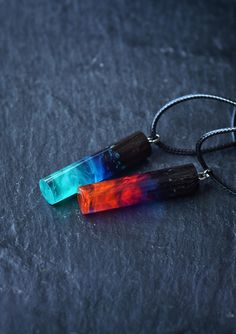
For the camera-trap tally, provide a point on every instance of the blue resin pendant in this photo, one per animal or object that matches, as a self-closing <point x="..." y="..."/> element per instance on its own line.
<point x="101" y="166"/>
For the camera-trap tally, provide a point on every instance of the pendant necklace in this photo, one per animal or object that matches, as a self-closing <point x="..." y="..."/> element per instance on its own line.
<point x="155" y="185"/>
<point x="117" y="158"/>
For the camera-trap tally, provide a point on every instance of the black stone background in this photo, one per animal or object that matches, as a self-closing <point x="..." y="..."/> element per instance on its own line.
<point x="76" y="76"/>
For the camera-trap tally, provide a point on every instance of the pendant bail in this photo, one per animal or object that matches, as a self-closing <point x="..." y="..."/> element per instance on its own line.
<point x="204" y="175"/>
<point x="154" y="140"/>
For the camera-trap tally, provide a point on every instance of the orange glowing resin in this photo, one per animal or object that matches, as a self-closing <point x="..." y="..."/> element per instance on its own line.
<point x="131" y="190"/>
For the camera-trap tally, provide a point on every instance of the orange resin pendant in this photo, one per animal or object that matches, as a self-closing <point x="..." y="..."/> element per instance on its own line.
<point x="135" y="189"/>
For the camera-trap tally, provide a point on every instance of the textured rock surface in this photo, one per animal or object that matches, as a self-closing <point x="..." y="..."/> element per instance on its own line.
<point x="76" y="76"/>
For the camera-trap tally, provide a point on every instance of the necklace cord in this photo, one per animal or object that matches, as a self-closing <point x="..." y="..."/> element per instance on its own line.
<point x="233" y="125"/>
<point x="186" y="151"/>
<point x="200" y="151"/>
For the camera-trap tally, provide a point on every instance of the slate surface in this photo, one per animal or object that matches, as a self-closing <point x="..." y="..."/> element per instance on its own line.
<point x="76" y="76"/>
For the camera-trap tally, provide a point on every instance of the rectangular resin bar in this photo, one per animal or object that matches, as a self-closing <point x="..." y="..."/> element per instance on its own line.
<point x="101" y="166"/>
<point x="139" y="188"/>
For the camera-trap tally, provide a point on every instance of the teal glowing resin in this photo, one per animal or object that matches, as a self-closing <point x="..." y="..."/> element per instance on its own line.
<point x="100" y="166"/>
<point x="65" y="182"/>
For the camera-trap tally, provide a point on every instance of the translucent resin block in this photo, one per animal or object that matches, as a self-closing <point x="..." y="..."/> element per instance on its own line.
<point x="101" y="166"/>
<point x="135" y="189"/>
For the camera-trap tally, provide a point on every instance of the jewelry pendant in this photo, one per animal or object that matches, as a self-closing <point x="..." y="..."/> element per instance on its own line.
<point x="105" y="164"/>
<point x="157" y="185"/>
<point x="118" y="157"/>
<point x="130" y="190"/>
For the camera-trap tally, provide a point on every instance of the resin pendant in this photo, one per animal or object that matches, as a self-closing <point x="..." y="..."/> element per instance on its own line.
<point x="135" y="189"/>
<point x="103" y="165"/>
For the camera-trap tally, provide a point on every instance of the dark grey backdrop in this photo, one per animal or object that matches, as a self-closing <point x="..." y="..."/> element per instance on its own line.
<point x="76" y="76"/>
